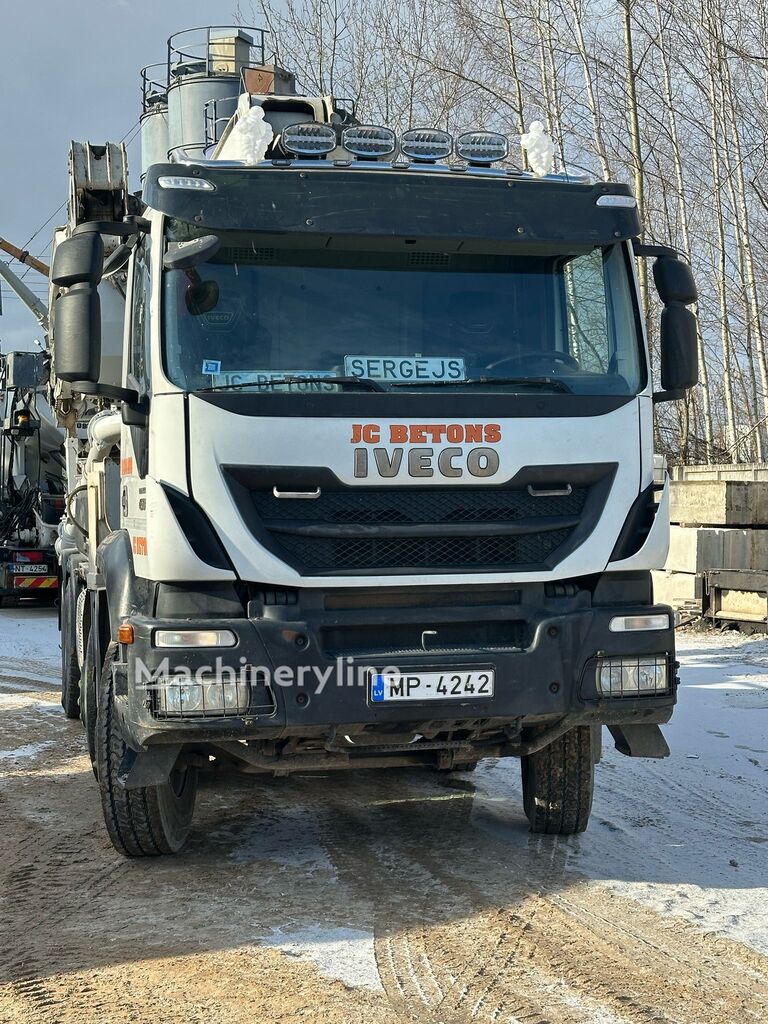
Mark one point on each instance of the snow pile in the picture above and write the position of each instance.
(539, 148)
(250, 136)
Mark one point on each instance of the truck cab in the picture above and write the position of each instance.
(382, 470)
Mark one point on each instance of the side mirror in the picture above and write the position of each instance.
(678, 336)
(78, 260)
(77, 333)
(674, 281)
(679, 352)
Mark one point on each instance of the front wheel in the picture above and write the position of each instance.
(142, 822)
(558, 782)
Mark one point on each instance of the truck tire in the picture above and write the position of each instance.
(70, 667)
(558, 781)
(88, 688)
(141, 822)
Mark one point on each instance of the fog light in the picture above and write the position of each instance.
(632, 677)
(632, 623)
(195, 638)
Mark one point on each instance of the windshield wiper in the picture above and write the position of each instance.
(366, 383)
(541, 383)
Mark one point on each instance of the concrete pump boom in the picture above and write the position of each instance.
(24, 257)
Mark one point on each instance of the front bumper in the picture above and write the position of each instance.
(309, 669)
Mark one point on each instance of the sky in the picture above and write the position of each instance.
(69, 69)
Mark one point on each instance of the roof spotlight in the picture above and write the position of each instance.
(309, 138)
(426, 145)
(482, 148)
(368, 140)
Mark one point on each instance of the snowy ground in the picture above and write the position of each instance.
(394, 896)
(688, 835)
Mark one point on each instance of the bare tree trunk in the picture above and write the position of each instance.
(722, 257)
(577, 24)
(677, 161)
(514, 73)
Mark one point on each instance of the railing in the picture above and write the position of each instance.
(214, 50)
(154, 86)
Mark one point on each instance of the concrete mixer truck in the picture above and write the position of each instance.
(31, 481)
(369, 479)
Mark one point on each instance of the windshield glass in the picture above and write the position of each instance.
(286, 320)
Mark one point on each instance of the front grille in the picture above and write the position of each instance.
(418, 528)
(422, 552)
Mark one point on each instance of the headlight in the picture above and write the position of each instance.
(185, 699)
(632, 677)
(194, 638)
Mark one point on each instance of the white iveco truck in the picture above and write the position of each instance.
(369, 477)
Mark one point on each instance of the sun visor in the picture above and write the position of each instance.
(505, 211)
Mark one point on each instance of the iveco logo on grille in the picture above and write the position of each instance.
(422, 458)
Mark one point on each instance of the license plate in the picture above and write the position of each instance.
(421, 686)
(30, 568)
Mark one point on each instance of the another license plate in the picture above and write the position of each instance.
(420, 686)
(30, 568)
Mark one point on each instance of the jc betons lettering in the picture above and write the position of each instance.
(448, 450)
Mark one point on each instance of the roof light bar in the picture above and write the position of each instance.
(177, 181)
(309, 138)
(368, 140)
(426, 145)
(482, 148)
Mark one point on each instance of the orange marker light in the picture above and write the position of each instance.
(125, 633)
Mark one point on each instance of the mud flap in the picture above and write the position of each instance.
(150, 767)
(639, 740)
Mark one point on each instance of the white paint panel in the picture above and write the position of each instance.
(218, 437)
(167, 450)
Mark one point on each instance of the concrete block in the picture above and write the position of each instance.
(695, 549)
(719, 503)
(680, 590)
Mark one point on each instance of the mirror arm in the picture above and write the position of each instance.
(135, 407)
(671, 395)
(136, 414)
(121, 228)
(117, 394)
(641, 249)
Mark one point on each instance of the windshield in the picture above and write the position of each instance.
(286, 320)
